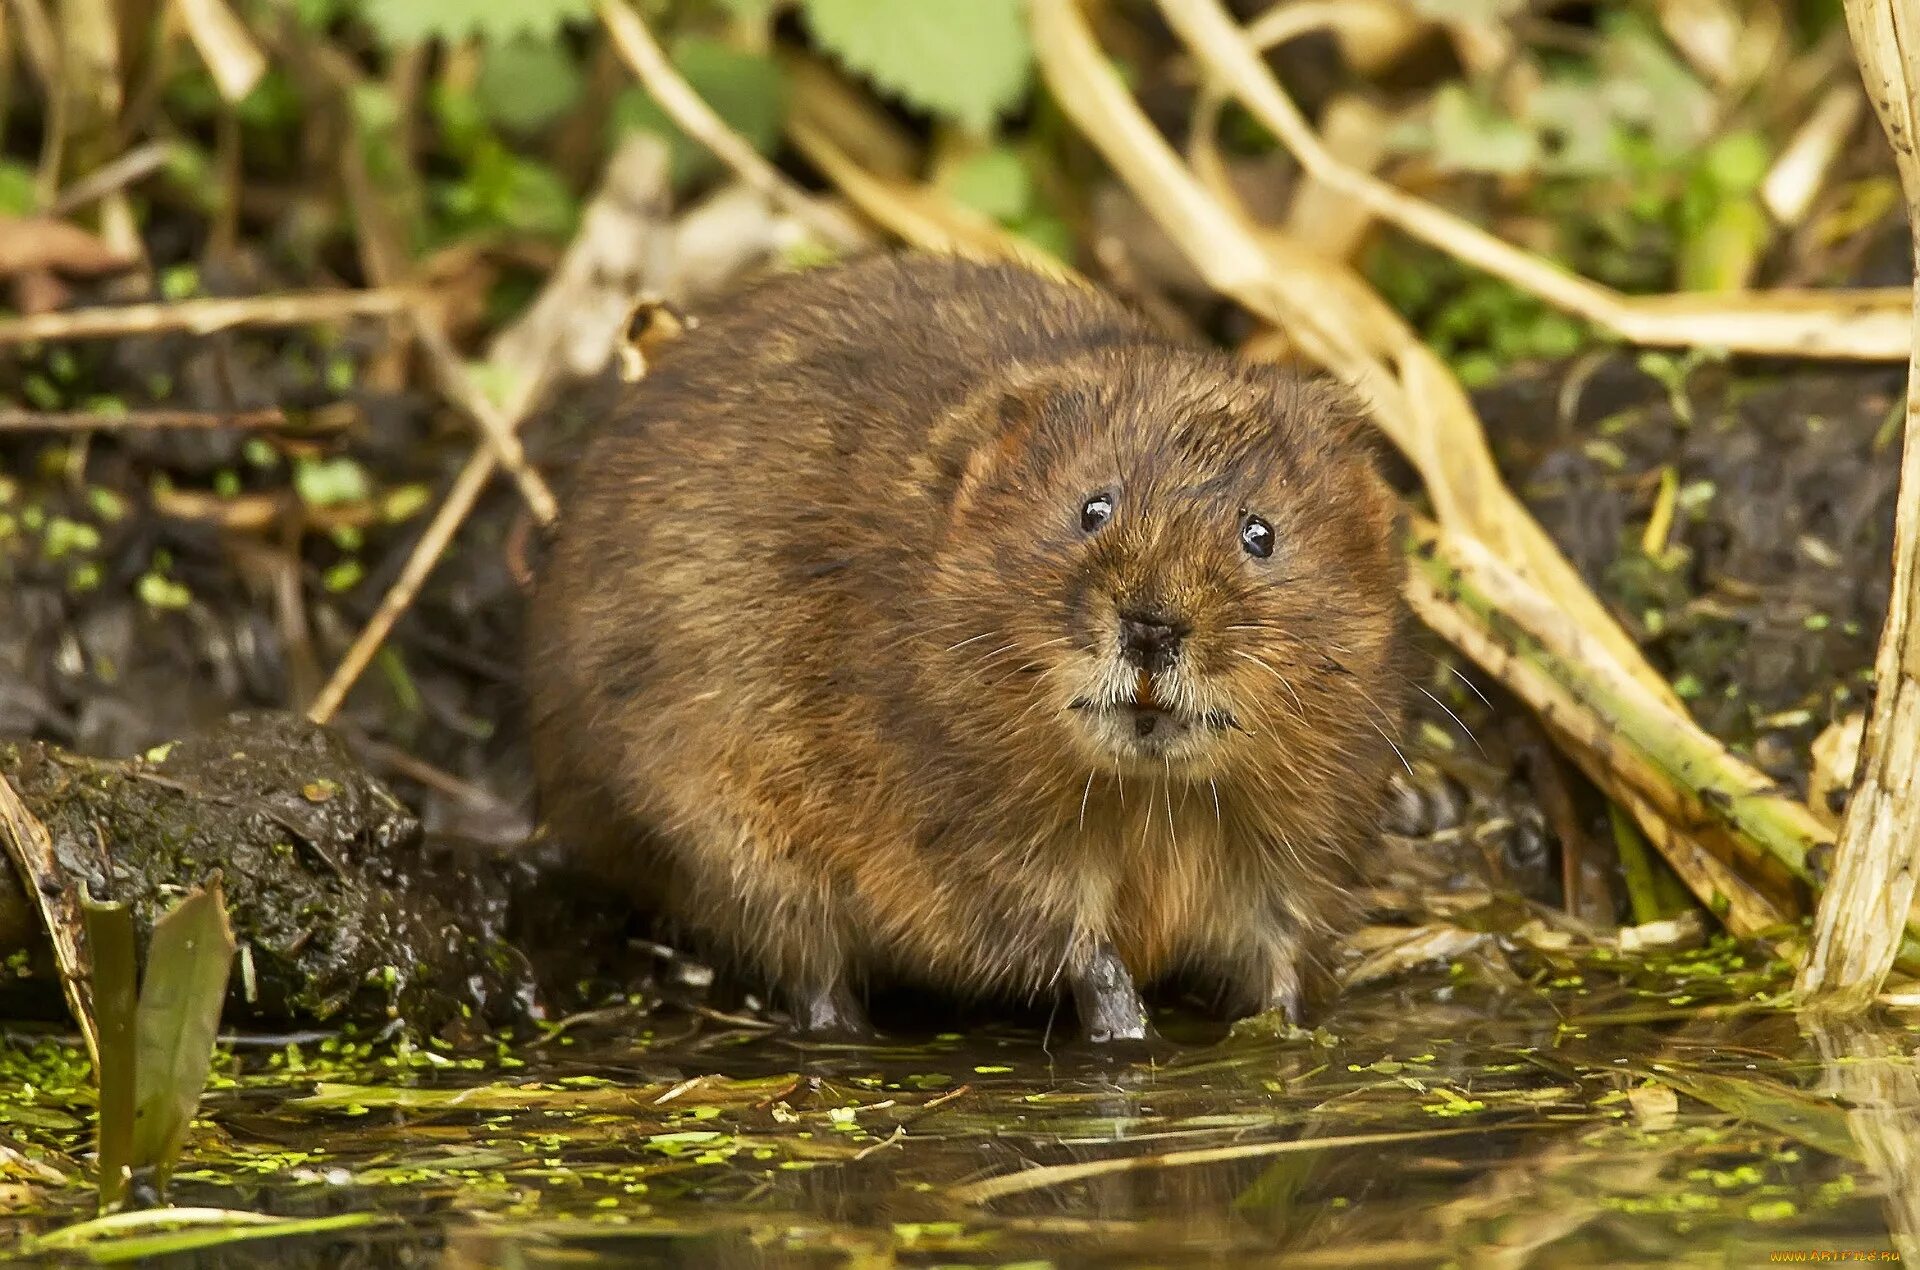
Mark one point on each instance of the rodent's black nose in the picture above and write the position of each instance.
(1150, 643)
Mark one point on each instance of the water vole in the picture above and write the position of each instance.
(929, 621)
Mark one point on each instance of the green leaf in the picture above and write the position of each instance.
(16, 188)
(1737, 163)
(526, 84)
(1049, 233)
(968, 60)
(331, 482)
(115, 980)
(504, 190)
(994, 183)
(178, 1021)
(1721, 254)
(316, 14)
(1643, 82)
(411, 21)
(746, 91)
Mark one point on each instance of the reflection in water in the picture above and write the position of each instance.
(1599, 1114)
(1872, 1073)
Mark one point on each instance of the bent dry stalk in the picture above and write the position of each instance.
(1501, 621)
(1857, 930)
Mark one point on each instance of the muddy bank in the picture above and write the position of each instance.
(343, 911)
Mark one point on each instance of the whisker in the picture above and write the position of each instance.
(1456, 718)
(1172, 835)
(1298, 704)
(1396, 749)
(1472, 687)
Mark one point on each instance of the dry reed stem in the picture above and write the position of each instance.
(1749, 910)
(1319, 217)
(915, 213)
(1521, 637)
(819, 95)
(224, 43)
(496, 425)
(1871, 325)
(110, 178)
(270, 419)
(1796, 177)
(202, 317)
(51, 891)
(1372, 34)
(644, 56)
(1059, 1174)
(1864, 914)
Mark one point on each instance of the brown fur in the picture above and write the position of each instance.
(812, 654)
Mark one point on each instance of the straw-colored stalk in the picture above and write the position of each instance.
(643, 55)
(1861, 918)
(1619, 732)
(911, 212)
(1868, 325)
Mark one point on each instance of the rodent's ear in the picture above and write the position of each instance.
(968, 466)
(1324, 412)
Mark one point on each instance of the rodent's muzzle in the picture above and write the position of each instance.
(1150, 642)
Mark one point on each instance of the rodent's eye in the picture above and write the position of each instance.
(1095, 512)
(1256, 537)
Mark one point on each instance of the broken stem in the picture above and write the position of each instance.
(203, 317)
(1861, 919)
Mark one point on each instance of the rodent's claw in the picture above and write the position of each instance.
(1105, 998)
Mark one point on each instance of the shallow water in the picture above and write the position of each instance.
(1604, 1114)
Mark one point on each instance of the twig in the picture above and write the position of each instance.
(1861, 919)
(1796, 176)
(203, 317)
(1869, 325)
(1058, 1174)
(270, 418)
(446, 521)
(627, 233)
(460, 499)
(112, 177)
(496, 424)
(229, 51)
(643, 54)
(54, 895)
(915, 213)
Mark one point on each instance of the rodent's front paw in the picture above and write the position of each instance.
(1105, 998)
(831, 1012)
